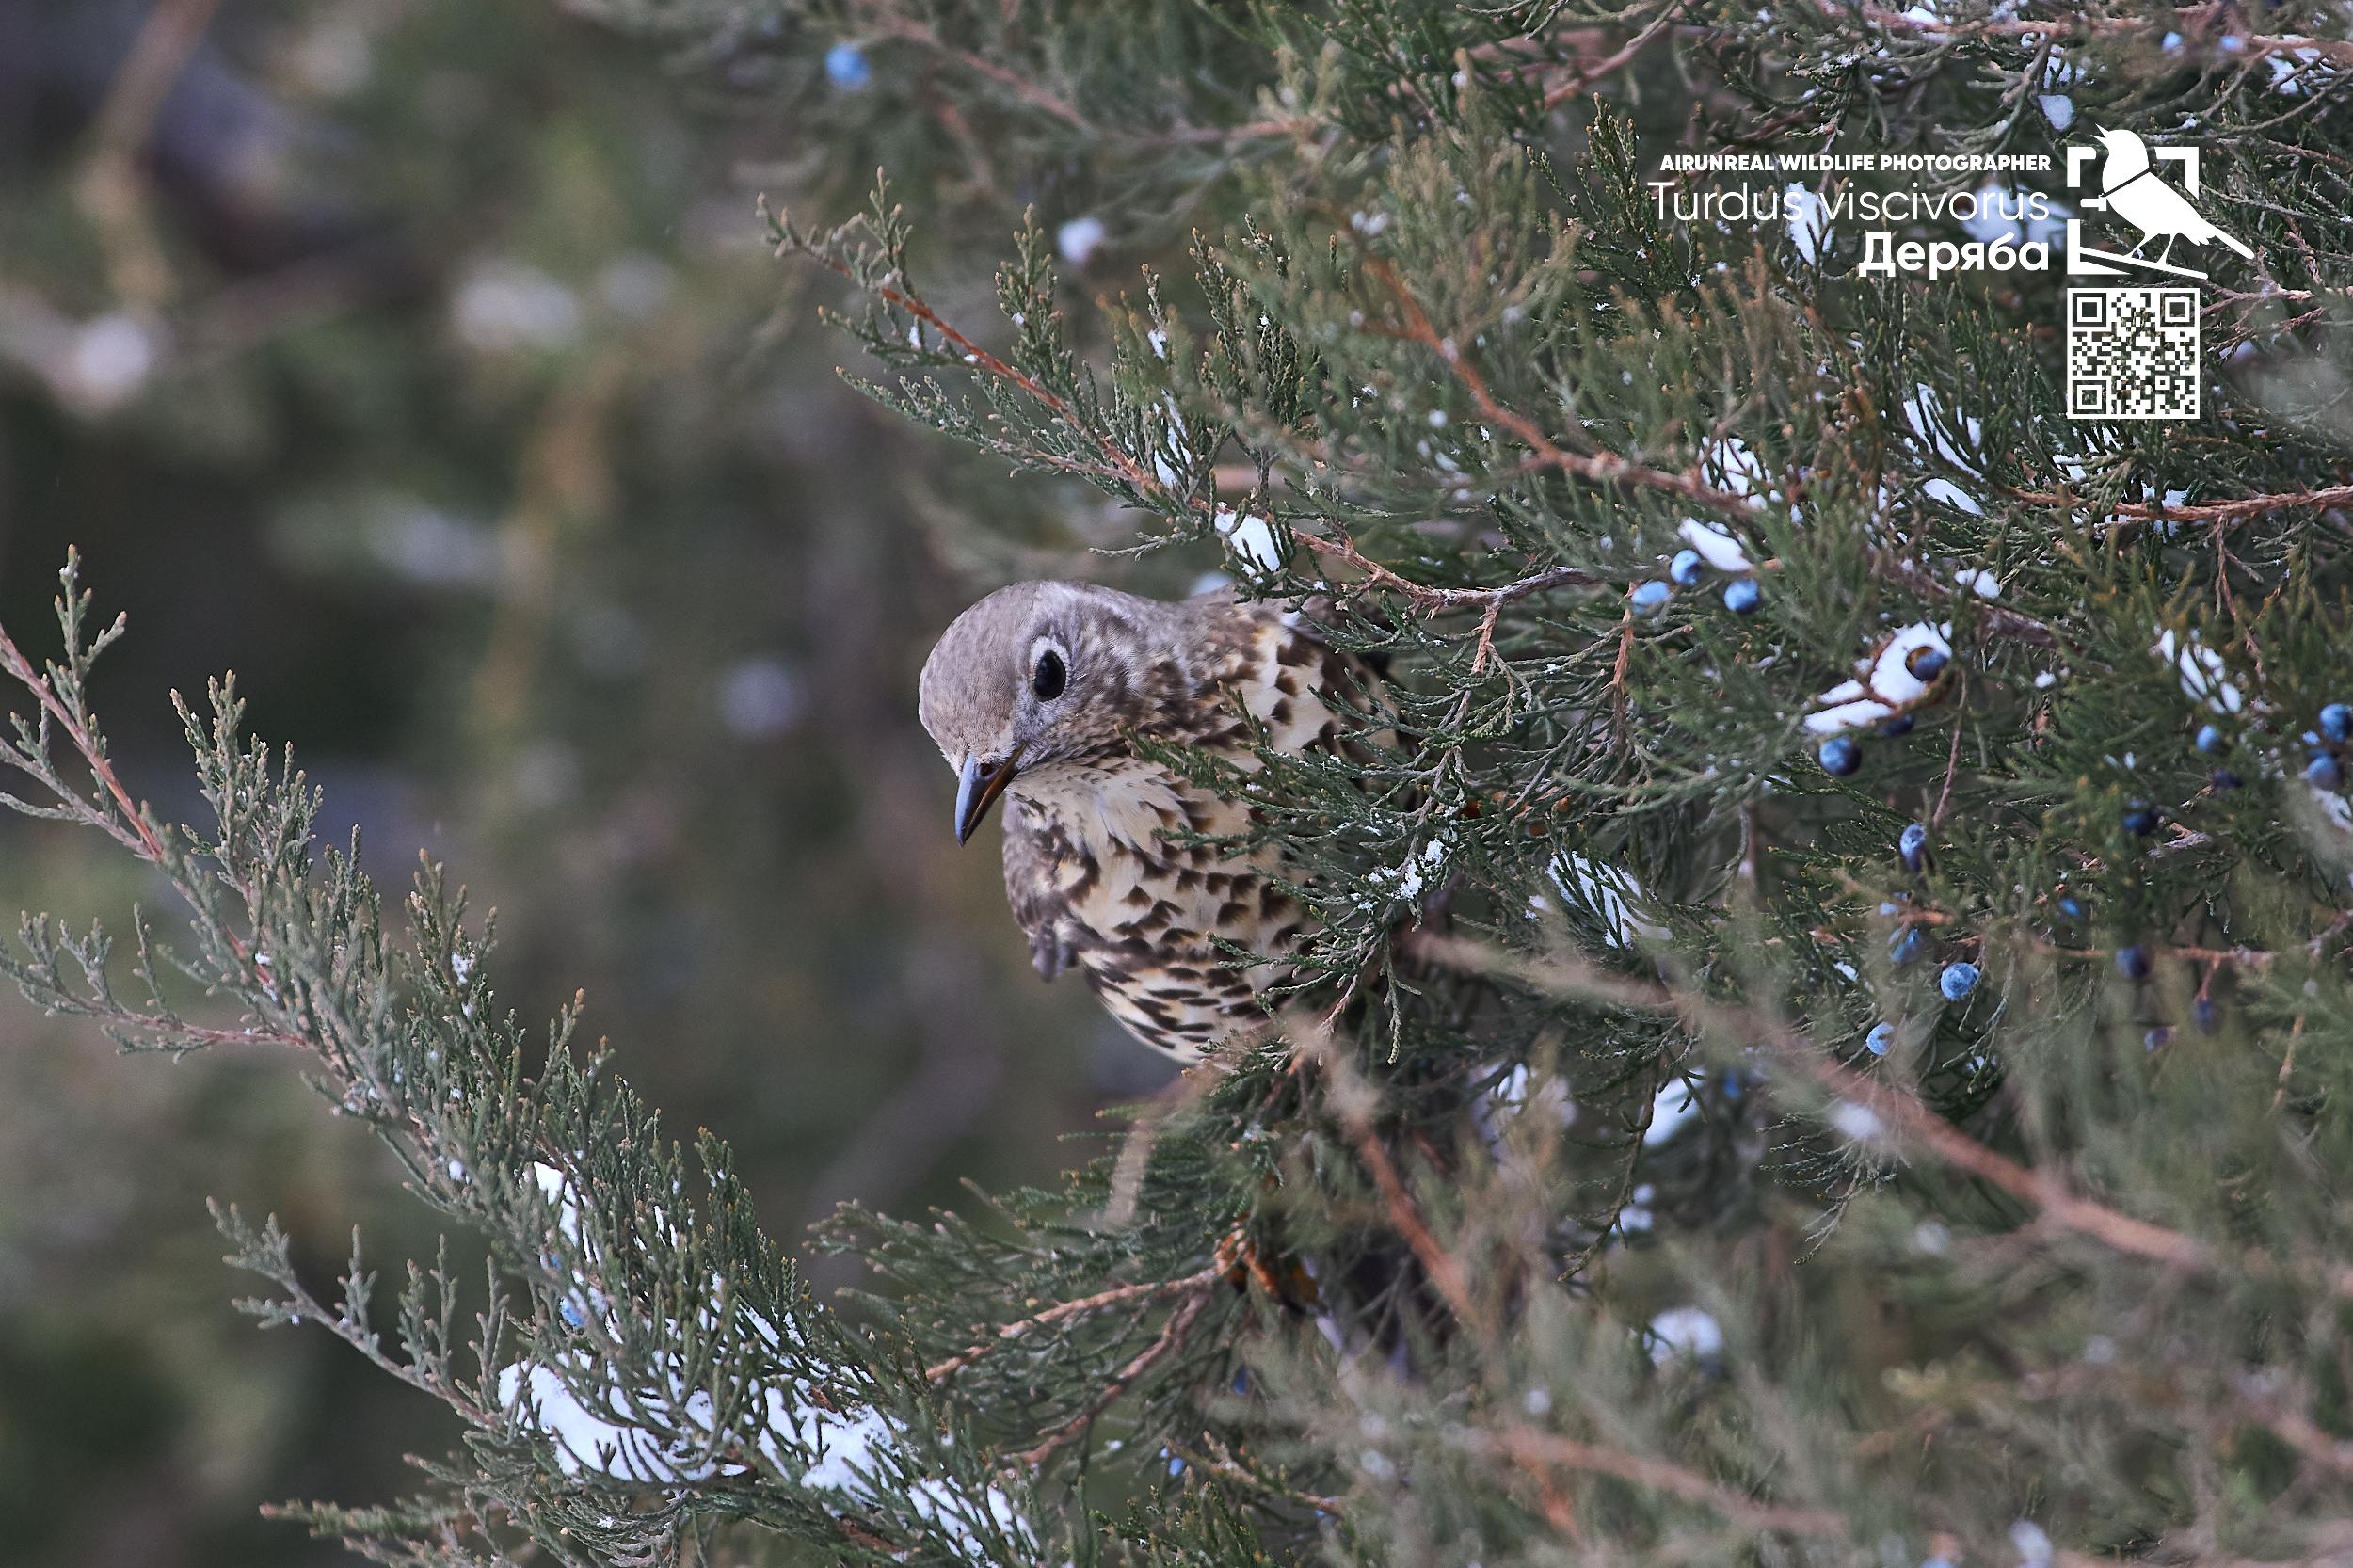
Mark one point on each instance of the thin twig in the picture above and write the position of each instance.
(1350, 1101)
(1444, 1272)
(2287, 1063)
(1172, 1336)
(1116, 1296)
(2009, 623)
(1242, 1476)
(2204, 511)
(1529, 1447)
(132, 831)
(1896, 1109)
(1433, 600)
(1559, 92)
(1029, 92)
(2253, 46)
(1952, 767)
(1120, 464)
(1543, 452)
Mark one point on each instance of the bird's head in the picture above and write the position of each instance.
(2124, 142)
(1032, 675)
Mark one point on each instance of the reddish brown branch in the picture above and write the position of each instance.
(131, 831)
(1118, 464)
(1352, 1100)
(2252, 958)
(1444, 1271)
(1433, 600)
(2253, 47)
(1543, 452)
(1486, 645)
(128, 826)
(2009, 623)
(1899, 1112)
(1532, 1448)
(1557, 93)
(1172, 1336)
(1029, 92)
(1023, 87)
(2209, 511)
(1117, 1295)
(2242, 506)
(1952, 769)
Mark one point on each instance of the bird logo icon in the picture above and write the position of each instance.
(2131, 186)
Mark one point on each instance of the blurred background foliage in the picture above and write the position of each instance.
(422, 360)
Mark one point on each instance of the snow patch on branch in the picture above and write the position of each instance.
(1719, 549)
(1407, 881)
(1953, 495)
(1729, 465)
(1885, 687)
(2204, 677)
(1933, 427)
(855, 1450)
(1249, 536)
(2288, 68)
(1808, 217)
(1675, 1105)
(663, 1432)
(1609, 894)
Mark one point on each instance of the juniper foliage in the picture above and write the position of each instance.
(1661, 1156)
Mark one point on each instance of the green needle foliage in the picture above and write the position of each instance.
(1658, 1160)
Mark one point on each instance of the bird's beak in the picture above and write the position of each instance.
(978, 785)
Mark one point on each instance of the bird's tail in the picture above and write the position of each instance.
(2233, 244)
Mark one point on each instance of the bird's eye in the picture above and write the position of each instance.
(1047, 679)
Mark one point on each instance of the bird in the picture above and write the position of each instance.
(2131, 188)
(1043, 693)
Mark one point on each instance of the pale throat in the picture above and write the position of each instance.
(1102, 800)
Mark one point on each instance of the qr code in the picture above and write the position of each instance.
(2131, 353)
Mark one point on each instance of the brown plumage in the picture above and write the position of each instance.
(1039, 692)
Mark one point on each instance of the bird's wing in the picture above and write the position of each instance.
(1350, 687)
(1034, 849)
(1292, 680)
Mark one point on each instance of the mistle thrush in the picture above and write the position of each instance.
(1040, 692)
